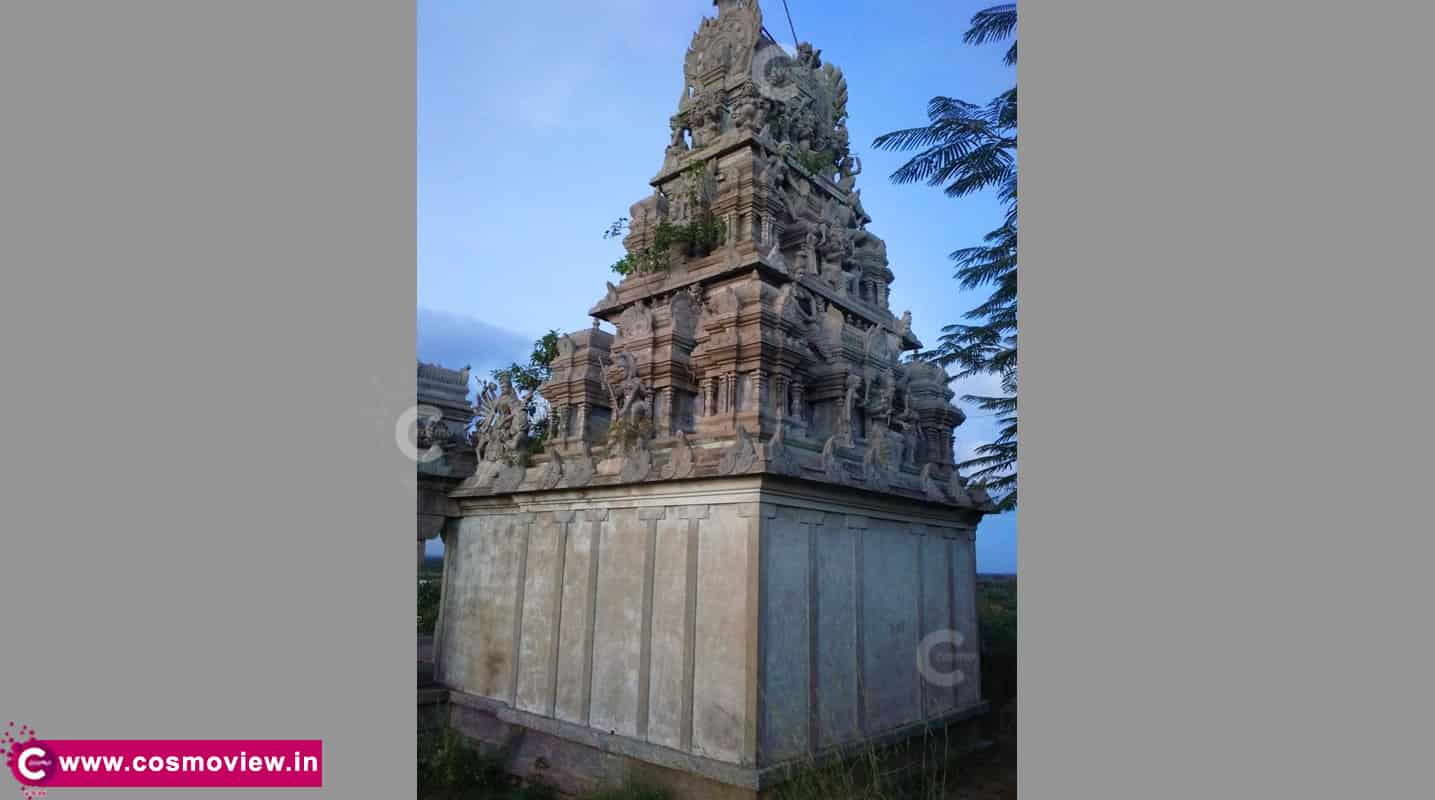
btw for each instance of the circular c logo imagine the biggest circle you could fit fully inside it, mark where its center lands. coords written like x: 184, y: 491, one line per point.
x: 772, y: 71
x: 34, y: 764
x: 406, y: 433
x: 929, y: 672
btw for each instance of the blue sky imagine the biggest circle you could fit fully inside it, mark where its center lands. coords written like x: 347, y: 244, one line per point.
x: 539, y: 124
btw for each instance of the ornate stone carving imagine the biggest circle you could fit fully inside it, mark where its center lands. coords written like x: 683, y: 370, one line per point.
x: 881, y: 390
x: 722, y: 47
x: 579, y: 472
x: 635, y: 323
x: 911, y: 434
x: 741, y: 457
x: 831, y: 464
x: 798, y: 408
x: 502, y: 424
x: 768, y: 335
x: 509, y: 478
x: 979, y: 496
x: 957, y: 490
x: 845, y: 432
x: 780, y: 459
x: 874, y: 465
x: 637, y: 463
x: 632, y: 423
x: 930, y: 488
x: 680, y: 459
x: 775, y: 259
x: 552, y: 472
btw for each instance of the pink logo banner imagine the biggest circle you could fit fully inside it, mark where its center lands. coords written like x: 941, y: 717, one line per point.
x: 167, y: 763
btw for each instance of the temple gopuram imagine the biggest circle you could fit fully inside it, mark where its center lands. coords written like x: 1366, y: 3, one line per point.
x: 744, y: 530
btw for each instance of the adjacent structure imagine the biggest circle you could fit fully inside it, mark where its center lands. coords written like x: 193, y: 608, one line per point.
x: 445, y: 457
x: 746, y: 521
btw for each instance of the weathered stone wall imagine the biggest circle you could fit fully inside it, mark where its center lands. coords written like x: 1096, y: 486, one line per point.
x: 847, y: 596
x: 745, y: 621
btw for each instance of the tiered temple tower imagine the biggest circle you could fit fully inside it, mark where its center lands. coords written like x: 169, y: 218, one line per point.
x: 746, y: 520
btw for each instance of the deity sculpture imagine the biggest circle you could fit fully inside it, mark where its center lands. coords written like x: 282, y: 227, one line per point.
x: 502, y: 423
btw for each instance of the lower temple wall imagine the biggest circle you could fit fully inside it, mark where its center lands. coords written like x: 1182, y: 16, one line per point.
x: 743, y: 621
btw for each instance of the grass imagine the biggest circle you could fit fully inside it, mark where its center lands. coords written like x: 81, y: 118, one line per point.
x: 929, y: 768
x: 430, y: 579
x: 451, y: 767
x: 428, y: 604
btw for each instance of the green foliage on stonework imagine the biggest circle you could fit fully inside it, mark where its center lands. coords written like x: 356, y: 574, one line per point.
x: 697, y: 239
x: 693, y: 239
x: 817, y: 162
x: 623, y: 434
x: 526, y: 380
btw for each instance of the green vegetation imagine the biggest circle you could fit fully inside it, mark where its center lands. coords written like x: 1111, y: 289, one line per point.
x: 969, y: 148
x: 930, y: 767
x: 450, y: 767
x: 694, y: 239
x: 428, y: 602
x: 623, y: 434
x: 635, y: 793
x: 526, y: 380
x: 816, y: 162
x: 996, y: 612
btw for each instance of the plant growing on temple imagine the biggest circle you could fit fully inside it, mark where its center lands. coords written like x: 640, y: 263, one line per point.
x: 623, y: 434
x: 526, y: 380
x: 968, y: 148
x: 818, y: 162
x: 695, y: 238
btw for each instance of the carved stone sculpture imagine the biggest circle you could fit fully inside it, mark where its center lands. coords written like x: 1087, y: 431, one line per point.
x: 875, y: 467
x: 741, y: 457
x: 680, y: 459
x: 780, y: 458
x: 580, y: 471
x: 553, y: 472
x: 766, y: 333
x: 930, y: 488
x: 502, y: 424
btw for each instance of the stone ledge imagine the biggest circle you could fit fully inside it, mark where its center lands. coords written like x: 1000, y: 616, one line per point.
x: 717, y: 491
x: 742, y: 776
x: 732, y: 774
x: 775, y: 774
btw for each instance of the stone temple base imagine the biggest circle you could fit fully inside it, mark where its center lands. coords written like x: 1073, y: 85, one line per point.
x: 576, y: 761
x: 704, y: 635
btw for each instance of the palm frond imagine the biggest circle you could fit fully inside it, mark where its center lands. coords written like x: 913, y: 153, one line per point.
x: 992, y: 24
